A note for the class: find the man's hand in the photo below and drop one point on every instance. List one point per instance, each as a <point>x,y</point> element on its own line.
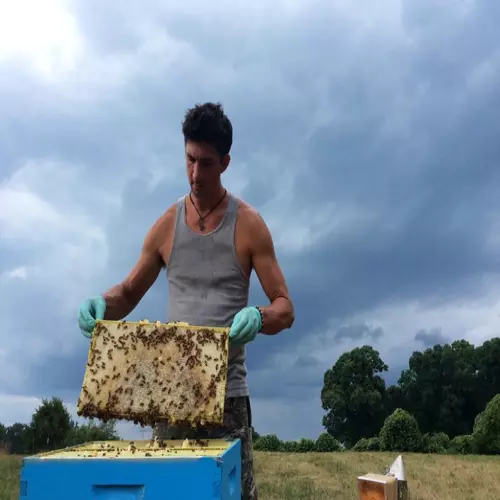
<point>90,310</point>
<point>246,324</point>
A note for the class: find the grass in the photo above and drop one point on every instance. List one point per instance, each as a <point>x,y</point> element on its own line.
<point>330,476</point>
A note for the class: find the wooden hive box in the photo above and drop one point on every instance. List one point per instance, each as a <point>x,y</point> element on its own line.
<point>177,470</point>
<point>377,487</point>
<point>153,372</point>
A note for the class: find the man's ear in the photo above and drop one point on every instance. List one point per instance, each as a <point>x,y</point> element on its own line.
<point>226,159</point>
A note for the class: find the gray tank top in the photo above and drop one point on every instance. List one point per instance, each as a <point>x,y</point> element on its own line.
<point>206,284</point>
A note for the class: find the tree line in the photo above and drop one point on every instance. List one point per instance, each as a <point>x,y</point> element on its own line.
<point>52,428</point>
<point>449,390</point>
<point>447,400</point>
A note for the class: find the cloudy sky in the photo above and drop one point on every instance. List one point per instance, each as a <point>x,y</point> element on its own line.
<point>366,134</point>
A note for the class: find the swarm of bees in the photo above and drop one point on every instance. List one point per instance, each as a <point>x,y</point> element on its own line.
<point>152,372</point>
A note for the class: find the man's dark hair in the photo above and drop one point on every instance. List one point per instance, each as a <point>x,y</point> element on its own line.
<point>208,123</point>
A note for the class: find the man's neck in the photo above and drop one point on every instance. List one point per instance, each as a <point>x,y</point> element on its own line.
<point>209,200</point>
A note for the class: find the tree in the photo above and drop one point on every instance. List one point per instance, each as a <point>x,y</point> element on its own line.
<point>367,444</point>
<point>305,445</point>
<point>2,432</point>
<point>461,445</point>
<point>354,395</point>
<point>400,432</point>
<point>17,438</point>
<point>92,431</point>
<point>488,371</point>
<point>50,424</point>
<point>255,435</point>
<point>269,442</point>
<point>486,435</point>
<point>435,443</point>
<point>440,388</point>
<point>326,443</point>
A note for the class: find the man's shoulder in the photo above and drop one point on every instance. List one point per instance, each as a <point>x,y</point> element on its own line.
<point>166,220</point>
<point>250,217</point>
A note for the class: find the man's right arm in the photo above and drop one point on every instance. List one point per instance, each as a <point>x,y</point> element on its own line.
<point>124,297</point>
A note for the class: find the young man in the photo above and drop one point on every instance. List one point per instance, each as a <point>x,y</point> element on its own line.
<point>209,242</point>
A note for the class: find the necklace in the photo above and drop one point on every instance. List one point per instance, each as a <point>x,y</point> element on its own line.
<point>201,221</point>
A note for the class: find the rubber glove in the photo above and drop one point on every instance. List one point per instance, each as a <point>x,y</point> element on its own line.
<point>90,310</point>
<point>246,324</point>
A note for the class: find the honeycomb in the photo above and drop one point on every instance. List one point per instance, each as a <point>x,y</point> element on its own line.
<point>145,372</point>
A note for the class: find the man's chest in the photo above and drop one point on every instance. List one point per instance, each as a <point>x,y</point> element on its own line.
<point>193,251</point>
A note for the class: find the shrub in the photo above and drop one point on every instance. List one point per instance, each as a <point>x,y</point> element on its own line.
<point>461,445</point>
<point>289,446</point>
<point>367,444</point>
<point>326,443</point>
<point>435,443</point>
<point>486,433</point>
<point>269,442</point>
<point>305,445</point>
<point>400,432</point>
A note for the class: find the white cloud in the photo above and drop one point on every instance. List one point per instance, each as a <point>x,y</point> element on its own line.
<point>43,34</point>
<point>18,273</point>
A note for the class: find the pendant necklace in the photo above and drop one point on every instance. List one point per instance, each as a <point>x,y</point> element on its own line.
<point>201,221</point>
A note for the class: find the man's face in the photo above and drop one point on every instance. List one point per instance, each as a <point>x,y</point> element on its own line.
<point>204,167</point>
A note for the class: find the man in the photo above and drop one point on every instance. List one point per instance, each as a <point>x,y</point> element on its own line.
<point>209,242</point>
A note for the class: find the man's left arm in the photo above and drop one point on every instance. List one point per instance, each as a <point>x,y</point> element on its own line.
<point>279,314</point>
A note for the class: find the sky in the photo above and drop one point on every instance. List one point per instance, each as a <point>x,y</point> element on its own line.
<point>365,133</point>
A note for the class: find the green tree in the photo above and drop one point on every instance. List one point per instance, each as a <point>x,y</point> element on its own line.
<point>50,424</point>
<point>486,434</point>
<point>435,443</point>
<point>488,371</point>
<point>305,445</point>
<point>17,439</point>
<point>289,446</point>
<point>255,435</point>
<point>367,444</point>
<point>2,432</point>
<point>269,442</point>
<point>400,432</point>
<point>91,431</point>
<point>461,445</point>
<point>353,395</point>
<point>440,388</point>
<point>326,443</point>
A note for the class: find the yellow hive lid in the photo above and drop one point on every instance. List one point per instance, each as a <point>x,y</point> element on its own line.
<point>151,372</point>
<point>141,449</point>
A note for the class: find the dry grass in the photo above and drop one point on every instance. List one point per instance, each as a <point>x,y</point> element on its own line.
<point>330,476</point>
<point>9,477</point>
<point>322,476</point>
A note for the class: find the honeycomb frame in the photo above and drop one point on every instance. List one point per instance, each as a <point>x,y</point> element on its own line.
<point>148,373</point>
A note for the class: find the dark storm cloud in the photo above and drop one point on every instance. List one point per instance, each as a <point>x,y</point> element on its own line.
<point>431,337</point>
<point>396,123</point>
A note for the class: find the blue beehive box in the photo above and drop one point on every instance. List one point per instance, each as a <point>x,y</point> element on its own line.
<point>140,470</point>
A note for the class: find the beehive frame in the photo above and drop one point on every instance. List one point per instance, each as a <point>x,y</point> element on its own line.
<point>156,372</point>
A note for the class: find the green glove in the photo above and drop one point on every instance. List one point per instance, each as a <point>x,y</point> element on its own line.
<point>90,310</point>
<point>246,324</point>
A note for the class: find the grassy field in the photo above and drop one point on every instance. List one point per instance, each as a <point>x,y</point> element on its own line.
<point>328,476</point>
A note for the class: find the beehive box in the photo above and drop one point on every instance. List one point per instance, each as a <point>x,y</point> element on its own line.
<point>153,372</point>
<point>118,470</point>
<point>377,487</point>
